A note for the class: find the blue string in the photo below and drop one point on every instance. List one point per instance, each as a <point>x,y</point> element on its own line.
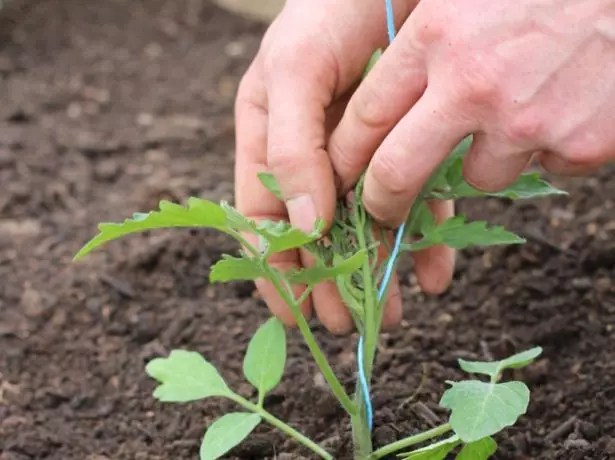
<point>388,271</point>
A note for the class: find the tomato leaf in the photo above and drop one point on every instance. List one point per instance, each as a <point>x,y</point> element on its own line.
<point>235,269</point>
<point>314,275</point>
<point>227,432</point>
<point>481,409</point>
<point>263,365</point>
<point>270,183</point>
<point>478,450</point>
<point>436,451</point>
<point>185,376</point>
<point>494,368</point>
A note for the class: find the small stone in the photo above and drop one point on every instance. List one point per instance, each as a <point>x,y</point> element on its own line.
<point>107,170</point>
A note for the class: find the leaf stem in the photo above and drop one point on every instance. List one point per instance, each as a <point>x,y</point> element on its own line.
<point>319,356</point>
<point>409,441</point>
<point>280,425</point>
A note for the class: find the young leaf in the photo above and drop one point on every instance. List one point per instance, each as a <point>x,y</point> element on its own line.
<point>318,274</point>
<point>493,369</point>
<point>265,358</point>
<point>185,376</point>
<point>435,451</point>
<point>271,184</point>
<point>235,269</point>
<point>198,213</point>
<point>280,236</point>
<point>481,409</point>
<point>227,432</point>
<point>459,234</point>
<point>478,450</point>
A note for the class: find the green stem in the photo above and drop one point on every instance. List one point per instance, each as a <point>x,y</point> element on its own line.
<point>319,356</point>
<point>280,425</point>
<point>410,441</point>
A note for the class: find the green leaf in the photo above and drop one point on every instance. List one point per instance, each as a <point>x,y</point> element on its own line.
<point>481,409</point>
<point>265,358</point>
<point>185,376</point>
<point>494,368</point>
<point>314,275</point>
<point>478,450</point>
<point>271,184</point>
<point>452,185</point>
<point>227,432</point>
<point>235,269</point>
<point>435,451</point>
<point>459,234</point>
<point>372,61</point>
<point>198,213</point>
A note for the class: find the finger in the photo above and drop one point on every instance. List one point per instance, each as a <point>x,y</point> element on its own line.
<point>296,142</point>
<point>555,164</point>
<point>329,307</point>
<point>251,197</point>
<point>434,266</point>
<point>408,156</point>
<point>387,93</point>
<point>492,164</point>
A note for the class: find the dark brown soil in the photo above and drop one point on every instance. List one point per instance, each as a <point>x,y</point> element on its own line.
<point>108,106</point>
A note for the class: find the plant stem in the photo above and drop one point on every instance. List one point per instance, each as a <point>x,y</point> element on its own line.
<point>280,425</point>
<point>319,356</point>
<point>410,441</point>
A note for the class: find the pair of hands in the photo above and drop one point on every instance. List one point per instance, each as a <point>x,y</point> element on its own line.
<point>530,79</point>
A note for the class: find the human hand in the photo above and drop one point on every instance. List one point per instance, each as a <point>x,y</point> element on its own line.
<point>289,101</point>
<point>527,78</point>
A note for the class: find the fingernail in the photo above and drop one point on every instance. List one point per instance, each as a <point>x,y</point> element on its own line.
<point>302,212</point>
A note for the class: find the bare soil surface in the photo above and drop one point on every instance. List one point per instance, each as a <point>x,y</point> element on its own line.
<point>108,106</point>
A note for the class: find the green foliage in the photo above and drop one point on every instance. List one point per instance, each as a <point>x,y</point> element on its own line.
<point>236,269</point>
<point>265,358</point>
<point>226,433</point>
<point>480,409</point>
<point>320,272</point>
<point>493,369</point>
<point>268,180</point>
<point>478,450</point>
<point>185,376</point>
<point>436,451</point>
<point>457,233</point>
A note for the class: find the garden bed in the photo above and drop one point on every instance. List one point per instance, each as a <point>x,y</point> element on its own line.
<point>108,107</point>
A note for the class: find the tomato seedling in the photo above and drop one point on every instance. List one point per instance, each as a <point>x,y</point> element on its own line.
<point>349,256</point>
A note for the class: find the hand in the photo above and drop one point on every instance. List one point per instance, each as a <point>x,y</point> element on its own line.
<point>289,101</point>
<point>527,78</point>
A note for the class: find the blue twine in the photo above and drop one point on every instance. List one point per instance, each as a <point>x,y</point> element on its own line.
<point>388,271</point>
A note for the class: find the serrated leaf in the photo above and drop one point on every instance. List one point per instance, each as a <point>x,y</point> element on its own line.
<point>270,183</point>
<point>494,368</point>
<point>185,376</point>
<point>436,451</point>
<point>459,234</point>
<point>236,269</point>
<point>227,432</point>
<point>439,179</point>
<point>314,275</point>
<point>265,359</point>
<point>478,450</point>
<point>481,409</point>
<point>198,213</point>
<point>452,185</point>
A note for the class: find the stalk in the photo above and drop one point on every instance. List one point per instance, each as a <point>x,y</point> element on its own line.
<point>409,441</point>
<point>280,425</point>
<point>319,356</point>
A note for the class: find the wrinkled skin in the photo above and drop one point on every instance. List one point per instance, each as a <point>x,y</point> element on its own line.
<point>530,79</point>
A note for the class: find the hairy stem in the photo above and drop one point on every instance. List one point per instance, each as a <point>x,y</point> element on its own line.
<point>409,441</point>
<point>280,425</point>
<point>319,356</point>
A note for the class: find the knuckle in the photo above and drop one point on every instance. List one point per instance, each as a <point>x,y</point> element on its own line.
<point>526,128</point>
<point>479,84</point>
<point>284,162</point>
<point>345,163</point>
<point>588,149</point>
<point>387,171</point>
<point>370,108</point>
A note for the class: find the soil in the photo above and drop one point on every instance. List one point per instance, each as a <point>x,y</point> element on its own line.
<point>108,107</point>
